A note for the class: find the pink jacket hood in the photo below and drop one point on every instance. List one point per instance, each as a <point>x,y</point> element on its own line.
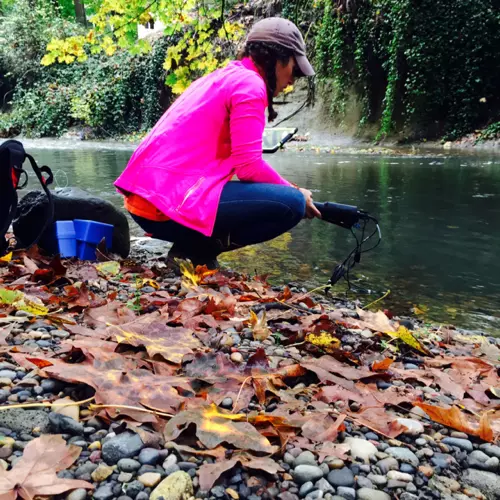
<point>212,132</point>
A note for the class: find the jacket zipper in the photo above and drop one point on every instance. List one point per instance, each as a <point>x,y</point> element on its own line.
<point>189,192</point>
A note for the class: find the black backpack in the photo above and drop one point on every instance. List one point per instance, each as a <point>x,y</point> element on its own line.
<point>12,178</point>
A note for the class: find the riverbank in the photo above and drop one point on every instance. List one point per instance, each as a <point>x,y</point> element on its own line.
<point>310,397</point>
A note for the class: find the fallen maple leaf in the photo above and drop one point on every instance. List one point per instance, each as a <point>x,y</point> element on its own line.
<point>456,419</point>
<point>209,473</point>
<point>214,427</point>
<point>35,474</point>
<point>323,428</point>
<point>406,336</point>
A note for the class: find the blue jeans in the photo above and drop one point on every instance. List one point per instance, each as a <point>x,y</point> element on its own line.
<point>248,213</point>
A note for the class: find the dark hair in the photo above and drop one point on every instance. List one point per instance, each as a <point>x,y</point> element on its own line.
<point>266,55</point>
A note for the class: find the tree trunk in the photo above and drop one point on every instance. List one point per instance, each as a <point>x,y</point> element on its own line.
<point>80,12</point>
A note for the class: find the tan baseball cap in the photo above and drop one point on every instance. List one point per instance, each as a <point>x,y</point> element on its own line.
<point>282,32</point>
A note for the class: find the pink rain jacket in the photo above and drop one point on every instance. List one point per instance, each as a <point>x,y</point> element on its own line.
<point>212,132</point>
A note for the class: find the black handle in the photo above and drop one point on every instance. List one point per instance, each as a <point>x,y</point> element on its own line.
<point>336,213</point>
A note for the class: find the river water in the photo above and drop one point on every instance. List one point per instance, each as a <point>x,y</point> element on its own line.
<point>439,214</point>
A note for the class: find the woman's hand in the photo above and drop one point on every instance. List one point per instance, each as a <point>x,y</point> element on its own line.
<point>311,210</point>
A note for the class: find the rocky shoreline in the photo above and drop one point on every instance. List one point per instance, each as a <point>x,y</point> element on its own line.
<point>320,419</point>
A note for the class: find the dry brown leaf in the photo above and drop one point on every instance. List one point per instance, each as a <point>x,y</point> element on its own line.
<point>214,427</point>
<point>209,473</point>
<point>456,419</point>
<point>323,428</point>
<point>35,474</point>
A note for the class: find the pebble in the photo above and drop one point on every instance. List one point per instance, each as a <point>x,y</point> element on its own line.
<point>237,357</point>
<point>361,448</point>
<point>399,476</point>
<point>479,460</point>
<point>324,486</point>
<point>128,465</point>
<point>102,473</point>
<point>345,492</point>
<point>125,477</point>
<point>79,494</point>
<point>486,482</point>
<point>341,477</point>
<point>491,450</point>
<point>314,495</point>
<point>304,473</point>
<point>133,488</point>
<point>404,455</point>
<point>84,471</point>
<point>104,492</point>
<point>364,482</point>
<point>150,479</point>
<point>377,479</point>
<point>443,460</point>
<point>227,403</point>
<point>10,374</point>
<point>65,425</point>
<point>149,456</point>
<point>232,493</point>
<point>124,445</point>
<point>334,463</point>
<point>414,427</point>
<point>369,494</point>
<point>394,483</point>
<point>463,444</point>
<point>388,464</point>
<point>305,458</point>
<point>420,442</point>
<point>426,470</point>
<point>306,488</point>
<point>178,486</point>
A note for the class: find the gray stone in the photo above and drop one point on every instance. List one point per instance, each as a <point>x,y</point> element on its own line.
<point>403,455</point>
<point>369,494</point>
<point>51,385</point>
<point>314,495</point>
<point>364,482</point>
<point>227,403</point>
<point>128,465</point>
<point>125,477</point>
<point>123,445</point>
<point>61,424</point>
<point>69,204</point>
<point>8,374</point>
<point>306,458</point>
<point>463,444</point>
<point>85,470</point>
<point>479,460</point>
<point>341,477</point>
<point>171,469</point>
<point>377,480</point>
<point>324,486</point>
<point>344,492</point>
<point>4,395</point>
<point>394,483</point>
<point>491,449</point>
<point>443,460</point>
<point>304,473</point>
<point>408,496</point>
<point>79,494</point>
<point>306,488</point>
<point>288,458</point>
<point>19,420</point>
<point>104,492</point>
<point>133,488</point>
<point>486,482</point>
<point>387,464</point>
<point>149,456</point>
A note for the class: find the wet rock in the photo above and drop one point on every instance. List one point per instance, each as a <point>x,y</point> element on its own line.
<point>102,473</point>
<point>104,492</point>
<point>361,448</point>
<point>486,482</point>
<point>69,204</point>
<point>306,458</point>
<point>61,424</point>
<point>304,473</point>
<point>19,420</point>
<point>369,494</point>
<point>479,460</point>
<point>306,488</point>
<point>79,494</point>
<point>403,455</point>
<point>341,477</point>
<point>123,445</point>
<point>463,444</point>
<point>388,464</point>
<point>149,456</point>
<point>178,486</point>
<point>128,465</point>
<point>345,492</point>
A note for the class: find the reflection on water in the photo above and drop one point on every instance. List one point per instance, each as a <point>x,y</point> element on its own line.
<point>439,217</point>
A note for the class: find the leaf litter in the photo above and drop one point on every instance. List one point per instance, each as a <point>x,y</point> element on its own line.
<point>224,366</point>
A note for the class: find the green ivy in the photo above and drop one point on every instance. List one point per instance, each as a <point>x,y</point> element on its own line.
<point>428,67</point>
